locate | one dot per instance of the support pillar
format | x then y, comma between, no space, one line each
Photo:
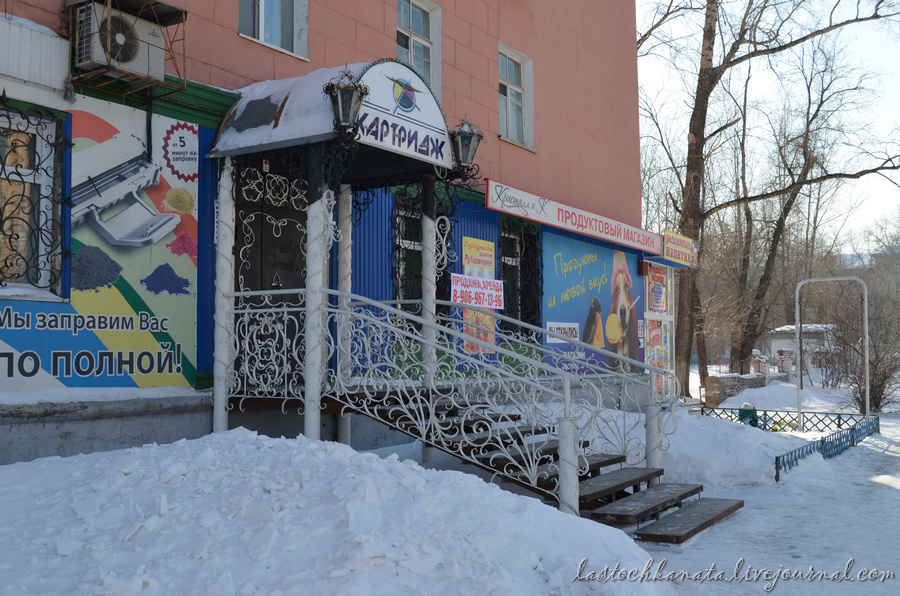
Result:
653,437
568,466
568,455
223,351
345,286
319,216
429,292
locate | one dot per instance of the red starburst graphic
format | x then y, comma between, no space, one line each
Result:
180,151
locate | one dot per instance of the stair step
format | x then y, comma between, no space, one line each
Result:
689,521
400,415
610,483
509,435
446,405
547,449
547,473
595,461
645,504
476,418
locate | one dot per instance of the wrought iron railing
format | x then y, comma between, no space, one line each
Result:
472,382
830,446
849,430
789,420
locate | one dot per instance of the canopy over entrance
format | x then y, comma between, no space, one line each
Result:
399,115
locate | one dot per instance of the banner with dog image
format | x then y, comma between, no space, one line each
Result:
595,295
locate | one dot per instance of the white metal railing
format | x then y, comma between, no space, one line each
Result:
476,385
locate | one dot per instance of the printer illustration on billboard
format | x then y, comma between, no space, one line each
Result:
107,180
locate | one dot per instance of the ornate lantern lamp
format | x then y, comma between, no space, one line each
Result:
346,92
466,137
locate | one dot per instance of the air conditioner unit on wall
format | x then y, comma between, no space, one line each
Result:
108,38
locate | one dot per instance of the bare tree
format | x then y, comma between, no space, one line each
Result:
844,363
732,36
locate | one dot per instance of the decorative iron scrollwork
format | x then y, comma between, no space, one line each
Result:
407,246
31,202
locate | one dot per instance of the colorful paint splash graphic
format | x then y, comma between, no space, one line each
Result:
164,279
93,269
185,244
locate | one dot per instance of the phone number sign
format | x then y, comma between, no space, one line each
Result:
474,291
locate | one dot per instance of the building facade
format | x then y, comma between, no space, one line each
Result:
115,124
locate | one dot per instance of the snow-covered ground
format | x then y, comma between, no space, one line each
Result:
237,513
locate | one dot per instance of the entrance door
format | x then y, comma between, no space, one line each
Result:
270,233
270,256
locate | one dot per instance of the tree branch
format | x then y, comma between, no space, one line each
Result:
797,186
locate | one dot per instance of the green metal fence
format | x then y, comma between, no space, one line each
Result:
849,430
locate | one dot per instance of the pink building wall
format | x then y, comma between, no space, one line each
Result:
586,142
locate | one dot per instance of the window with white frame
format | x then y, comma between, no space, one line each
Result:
510,271
408,253
30,202
408,246
419,40
278,23
520,271
516,80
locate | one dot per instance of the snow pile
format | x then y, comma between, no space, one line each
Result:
239,514
722,453
236,513
783,396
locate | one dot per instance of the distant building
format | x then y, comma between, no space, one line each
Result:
815,339
886,268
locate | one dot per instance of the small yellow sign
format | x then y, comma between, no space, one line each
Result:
478,257
679,249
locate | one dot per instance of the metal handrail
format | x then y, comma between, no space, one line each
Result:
493,382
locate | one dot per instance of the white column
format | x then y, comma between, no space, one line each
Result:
318,226
568,466
345,284
223,351
568,455
429,293
654,438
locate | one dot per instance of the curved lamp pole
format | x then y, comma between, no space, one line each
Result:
865,291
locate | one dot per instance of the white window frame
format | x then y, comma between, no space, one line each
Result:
527,89
44,177
434,12
300,47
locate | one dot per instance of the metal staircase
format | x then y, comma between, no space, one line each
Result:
494,392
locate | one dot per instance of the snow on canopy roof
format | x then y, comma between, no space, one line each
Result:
399,114
280,113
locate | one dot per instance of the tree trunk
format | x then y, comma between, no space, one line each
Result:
752,326
691,219
700,333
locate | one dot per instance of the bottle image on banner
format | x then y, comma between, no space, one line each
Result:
593,326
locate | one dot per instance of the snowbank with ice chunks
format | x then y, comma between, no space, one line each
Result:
236,513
